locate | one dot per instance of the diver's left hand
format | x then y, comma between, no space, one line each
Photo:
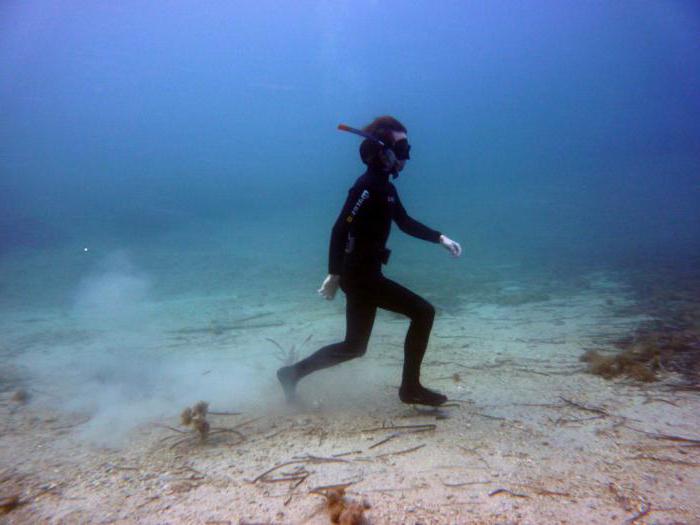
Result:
451,246
329,287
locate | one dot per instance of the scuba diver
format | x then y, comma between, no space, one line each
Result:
357,253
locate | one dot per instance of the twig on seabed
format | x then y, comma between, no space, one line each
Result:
669,437
506,491
413,428
217,430
298,477
527,370
487,416
406,451
595,410
563,421
192,436
385,440
338,486
320,459
465,483
305,459
545,492
648,399
665,460
543,405
341,454
271,470
677,447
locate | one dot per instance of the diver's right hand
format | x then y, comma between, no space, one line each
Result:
329,287
451,246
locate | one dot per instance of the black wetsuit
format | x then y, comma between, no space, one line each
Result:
357,251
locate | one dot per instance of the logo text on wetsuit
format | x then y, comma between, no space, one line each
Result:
356,208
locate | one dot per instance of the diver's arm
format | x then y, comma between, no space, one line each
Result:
336,250
417,229
411,226
339,235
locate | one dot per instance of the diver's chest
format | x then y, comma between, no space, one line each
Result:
383,204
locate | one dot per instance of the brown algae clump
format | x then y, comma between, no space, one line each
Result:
340,509
196,417
627,363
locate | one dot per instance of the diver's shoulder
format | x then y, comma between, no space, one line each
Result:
361,183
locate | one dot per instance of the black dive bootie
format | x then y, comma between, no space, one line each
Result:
419,395
288,379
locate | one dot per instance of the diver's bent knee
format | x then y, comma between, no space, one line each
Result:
425,312
355,350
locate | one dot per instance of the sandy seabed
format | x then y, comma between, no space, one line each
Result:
529,436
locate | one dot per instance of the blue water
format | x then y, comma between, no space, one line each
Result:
549,131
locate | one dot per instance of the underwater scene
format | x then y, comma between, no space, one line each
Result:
356,262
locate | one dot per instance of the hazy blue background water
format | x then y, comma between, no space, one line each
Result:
200,137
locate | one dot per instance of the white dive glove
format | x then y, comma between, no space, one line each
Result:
451,246
329,287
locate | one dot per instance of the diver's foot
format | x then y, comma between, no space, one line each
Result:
419,395
288,380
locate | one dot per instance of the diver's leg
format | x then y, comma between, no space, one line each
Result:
360,312
396,298
359,317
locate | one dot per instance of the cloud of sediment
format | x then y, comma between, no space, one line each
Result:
111,358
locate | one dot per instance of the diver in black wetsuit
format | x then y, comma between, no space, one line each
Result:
357,252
